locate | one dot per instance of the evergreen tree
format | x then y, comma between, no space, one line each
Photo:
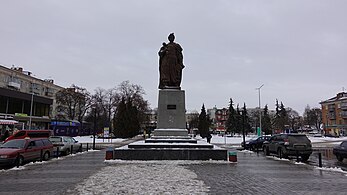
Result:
284,116
281,117
126,122
238,121
245,119
120,120
266,122
277,118
230,124
133,124
203,125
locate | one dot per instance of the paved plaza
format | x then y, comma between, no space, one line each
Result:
87,173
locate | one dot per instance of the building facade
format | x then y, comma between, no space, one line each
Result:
221,119
334,115
28,100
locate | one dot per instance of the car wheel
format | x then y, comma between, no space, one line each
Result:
20,161
251,148
266,151
305,158
46,156
280,153
67,152
339,158
79,149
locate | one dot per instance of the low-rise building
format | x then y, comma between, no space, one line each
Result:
334,115
28,100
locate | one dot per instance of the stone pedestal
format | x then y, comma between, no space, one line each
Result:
171,114
170,141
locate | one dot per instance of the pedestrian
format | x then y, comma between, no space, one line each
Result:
144,134
208,137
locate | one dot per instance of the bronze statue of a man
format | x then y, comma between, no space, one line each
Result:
170,64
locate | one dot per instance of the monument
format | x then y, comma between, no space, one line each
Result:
170,140
171,121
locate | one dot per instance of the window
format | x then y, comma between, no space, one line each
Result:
38,134
38,143
31,144
20,134
46,142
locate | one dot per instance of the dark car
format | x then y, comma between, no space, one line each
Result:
19,151
255,142
340,151
66,144
285,145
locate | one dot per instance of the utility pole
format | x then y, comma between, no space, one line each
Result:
259,130
31,109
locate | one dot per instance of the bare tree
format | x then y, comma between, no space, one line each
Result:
73,102
293,118
313,117
106,101
134,93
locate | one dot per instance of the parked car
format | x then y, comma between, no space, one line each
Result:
258,142
255,142
21,134
25,150
340,151
64,143
246,144
285,145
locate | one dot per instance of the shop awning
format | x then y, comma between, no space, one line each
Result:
8,122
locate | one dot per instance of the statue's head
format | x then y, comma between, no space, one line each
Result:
171,37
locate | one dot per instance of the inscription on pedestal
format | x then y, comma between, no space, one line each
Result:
171,107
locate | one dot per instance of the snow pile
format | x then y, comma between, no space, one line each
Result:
12,169
247,151
142,178
334,169
278,159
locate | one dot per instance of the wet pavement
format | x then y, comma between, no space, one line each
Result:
55,176
252,174
256,174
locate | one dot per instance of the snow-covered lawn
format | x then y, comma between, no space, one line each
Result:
216,139
89,139
152,177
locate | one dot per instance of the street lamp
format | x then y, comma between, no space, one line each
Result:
31,109
259,130
94,108
243,129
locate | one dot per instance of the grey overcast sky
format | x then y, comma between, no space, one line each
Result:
296,48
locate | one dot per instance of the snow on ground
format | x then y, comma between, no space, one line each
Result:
333,169
217,139
152,177
89,139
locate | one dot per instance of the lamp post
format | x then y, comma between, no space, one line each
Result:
243,129
259,130
94,107
31,109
